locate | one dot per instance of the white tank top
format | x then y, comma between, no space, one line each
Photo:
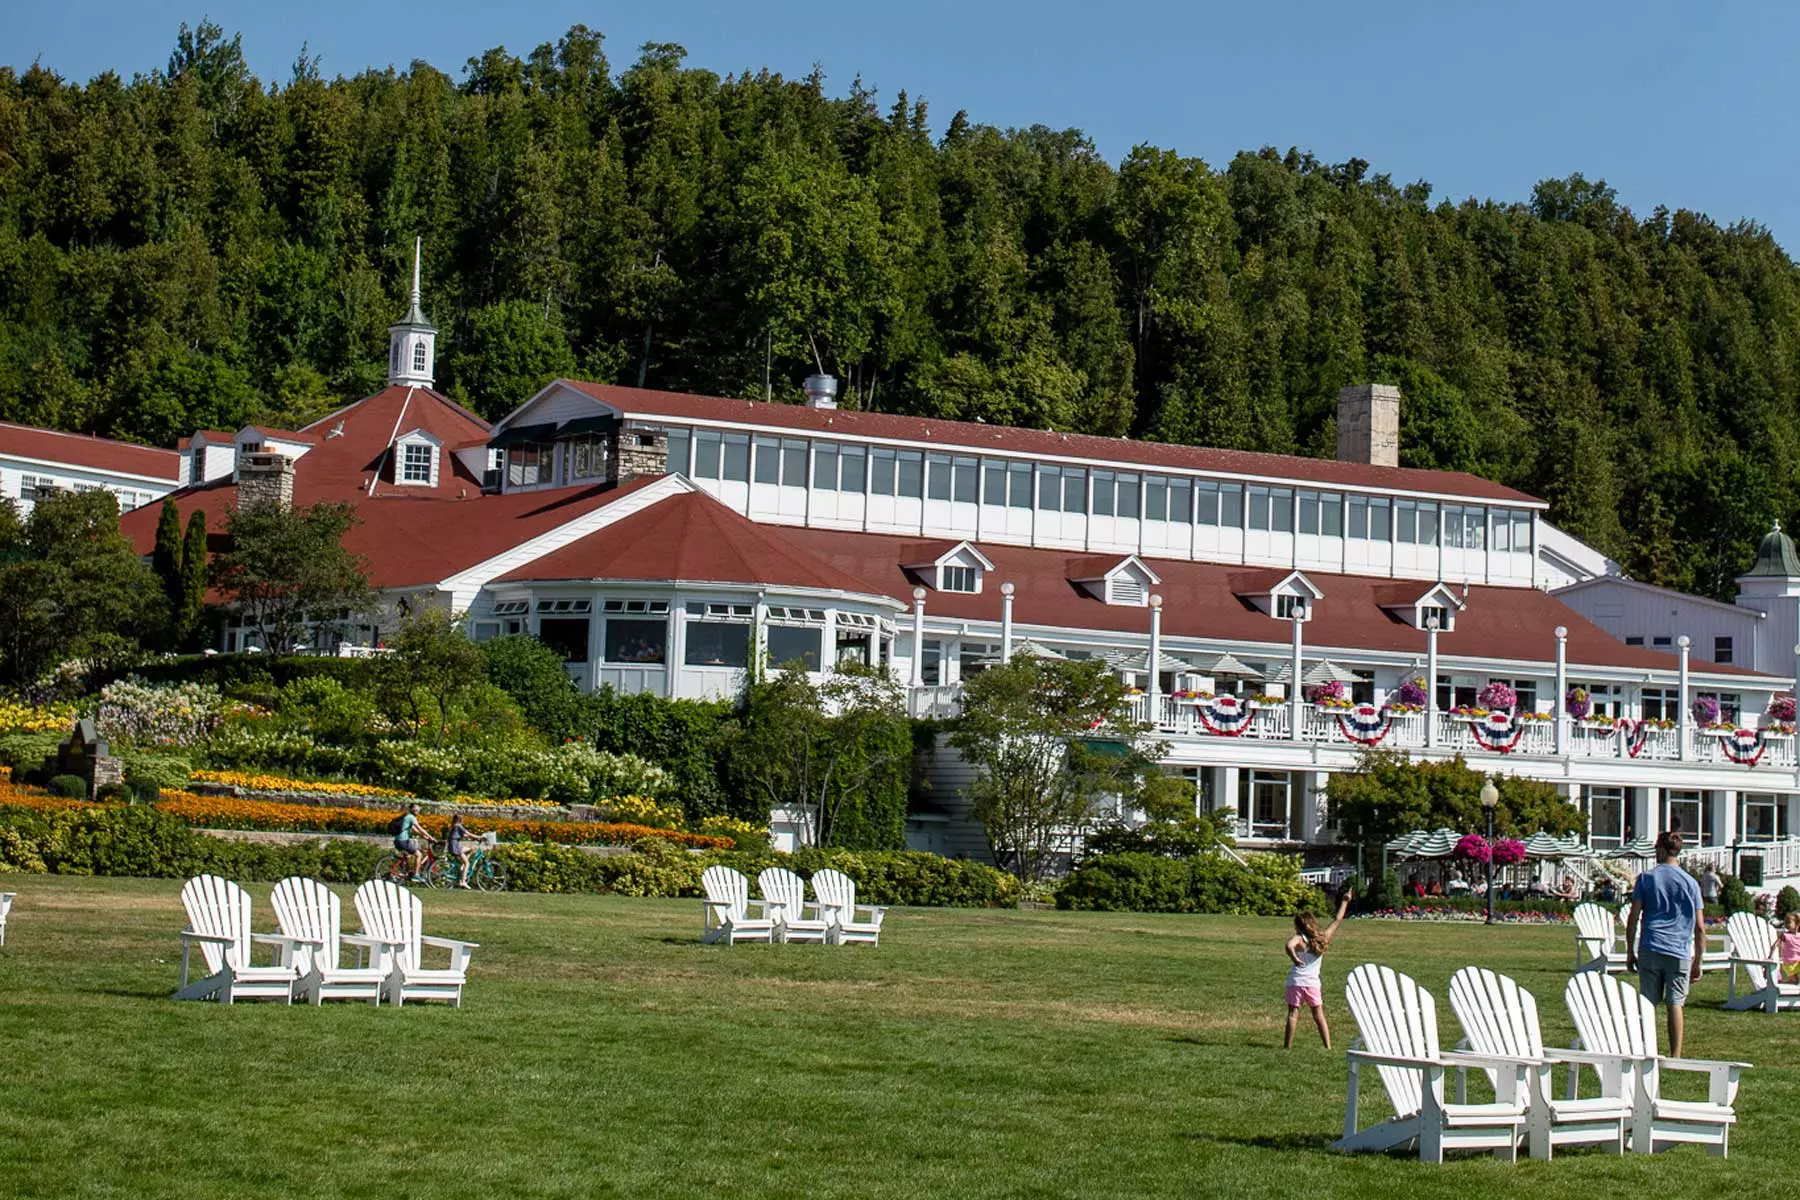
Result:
1305,973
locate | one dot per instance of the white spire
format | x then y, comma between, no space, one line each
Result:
418,249
412,342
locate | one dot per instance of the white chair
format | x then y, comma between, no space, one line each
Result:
1753,954
837,898
6,899
218,921
1599,939
310,913
1397,1021
785,894
1611,1017
725,914
1500,1018
394,918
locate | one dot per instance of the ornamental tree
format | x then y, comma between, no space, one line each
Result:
287,569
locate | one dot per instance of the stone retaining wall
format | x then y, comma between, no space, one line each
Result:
289,838
504,812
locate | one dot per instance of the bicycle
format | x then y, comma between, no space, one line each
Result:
486,873
392,865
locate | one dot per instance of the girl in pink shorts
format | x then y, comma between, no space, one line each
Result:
1305,950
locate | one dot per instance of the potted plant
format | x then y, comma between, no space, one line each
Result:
1706,714
1578,703
1498,697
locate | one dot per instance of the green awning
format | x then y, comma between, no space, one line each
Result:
1106,747
521,434
582,425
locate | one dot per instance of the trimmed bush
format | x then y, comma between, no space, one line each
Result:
72,786
1134,881
1788,901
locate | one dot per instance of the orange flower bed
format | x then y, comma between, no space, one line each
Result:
227,812
14,796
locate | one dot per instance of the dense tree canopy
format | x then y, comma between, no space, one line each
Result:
194,247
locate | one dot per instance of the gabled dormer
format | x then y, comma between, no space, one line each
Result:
1111,580
417,455
948,566
1283,594
1436,606
262,439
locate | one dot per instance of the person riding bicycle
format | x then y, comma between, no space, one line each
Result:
456,847
406,841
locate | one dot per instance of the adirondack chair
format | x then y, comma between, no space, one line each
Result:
218,921
1599,939
394,917
309,913
1500,1018
785,894
1611,1017
1753,954
6,899
725,915
837,896
1397,1021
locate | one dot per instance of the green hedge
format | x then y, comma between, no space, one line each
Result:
231,672
144,842
1133,881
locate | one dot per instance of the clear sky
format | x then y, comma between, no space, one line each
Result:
1671,104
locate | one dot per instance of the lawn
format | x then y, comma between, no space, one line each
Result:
603,1052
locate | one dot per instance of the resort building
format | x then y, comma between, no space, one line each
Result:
1276,615
39,462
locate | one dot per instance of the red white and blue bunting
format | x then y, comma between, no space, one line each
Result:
1635,733
1743,746
1365,724
1497,732
1226,716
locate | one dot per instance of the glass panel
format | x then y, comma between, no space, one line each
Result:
1181,503
768,460
911,467
790,644
793,464
1049,489
1127,490
1231,505
825,467
1281,510
636,641
1018,485
1103,493
881,472
1521,532
1074,490
718,644
678,450
1156,499
1259,508
1331,515
737,458
850,473
993,484
1428,525
937,477
965,481
1309,512
566,635
1209,503
706,456
1380,522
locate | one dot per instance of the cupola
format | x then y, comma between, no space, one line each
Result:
412,342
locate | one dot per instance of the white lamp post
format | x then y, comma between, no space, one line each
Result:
1153,689
1490,798
1431,672
1295,695
918,655
1562,688
1682,717
1006,620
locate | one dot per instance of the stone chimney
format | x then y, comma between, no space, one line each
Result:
643,450
265,478
1368,424
821,391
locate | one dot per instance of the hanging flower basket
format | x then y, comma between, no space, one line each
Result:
1781,709
1498,695
1508,851
1412,693
1474,846
1325,693
1706,711
1578,703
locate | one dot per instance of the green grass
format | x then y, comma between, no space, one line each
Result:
603,1052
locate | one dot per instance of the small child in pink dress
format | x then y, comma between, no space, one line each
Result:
1305,950
1788,943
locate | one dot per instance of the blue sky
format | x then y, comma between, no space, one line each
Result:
1671,104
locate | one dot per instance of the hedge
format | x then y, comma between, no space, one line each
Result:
68,838
1268,885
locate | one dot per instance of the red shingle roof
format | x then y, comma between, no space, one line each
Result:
1044,443
94,453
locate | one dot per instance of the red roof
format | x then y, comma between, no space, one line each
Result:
93,453
282,435
695,539
1045,443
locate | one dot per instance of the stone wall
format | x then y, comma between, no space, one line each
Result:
643,450
266,478
1368,424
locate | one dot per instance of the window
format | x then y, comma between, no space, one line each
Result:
1431,615
636,641
1662,643
486,631
1502,532
678,451
737,458
1170,499
1661,704
1686,815
993,484
1453,526
1455,693
1126,502
966,481
565,606
1526,690
910,470
881,472
419,358
584,458
511,608
957,579
1231,505
706,456
1366,518
1207,507
1309,512
931,664
1729,704
1269,795
1018,485
1288,607
1259,508
825,468
1331,515
1763,817
851,469
1721,650
566,635
793,464
1635,640
768,460
36,487
718,643
636,606
1606,699
1281,510
1050,488
795,644
937,477
527,465
1156,499
1104,483
1606,815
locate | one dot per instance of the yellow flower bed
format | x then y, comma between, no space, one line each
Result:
511,802
256,782
18,717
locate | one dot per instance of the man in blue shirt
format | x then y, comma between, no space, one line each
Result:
1666,902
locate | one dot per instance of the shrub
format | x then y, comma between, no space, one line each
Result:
149,775
1129,881
25,752
132,712
72,786
745,835
1266,885
1788,901
1735,897
1171,839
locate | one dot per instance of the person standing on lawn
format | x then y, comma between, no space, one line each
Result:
1305,950
1666,902
1711,885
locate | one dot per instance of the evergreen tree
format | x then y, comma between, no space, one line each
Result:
165,560
193,580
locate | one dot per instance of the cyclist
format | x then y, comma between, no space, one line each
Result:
405,841
457,848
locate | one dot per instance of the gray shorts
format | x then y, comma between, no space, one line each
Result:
1663,978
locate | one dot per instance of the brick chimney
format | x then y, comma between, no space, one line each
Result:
1368,424
265,478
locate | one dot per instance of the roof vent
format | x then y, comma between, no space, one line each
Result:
821,391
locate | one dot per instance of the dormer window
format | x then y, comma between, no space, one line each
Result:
947,566
1292,607
1126,589
1124,581
957,579
1434,608
1434,616
416,462
1285,595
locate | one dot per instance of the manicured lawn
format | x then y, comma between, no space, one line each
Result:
603,1052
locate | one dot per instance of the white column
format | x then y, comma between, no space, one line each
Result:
918,654
1646,821
1725,817
1683,722
1562,689
1431,673
1153,688
1295,714
1227,793
1006,621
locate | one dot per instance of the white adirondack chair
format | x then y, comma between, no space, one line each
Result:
725,915
1397,1021
1611,1017
6,899
1599,939
837,897
394,917
310,914
1500,1018
1753,954
218,921
785,894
